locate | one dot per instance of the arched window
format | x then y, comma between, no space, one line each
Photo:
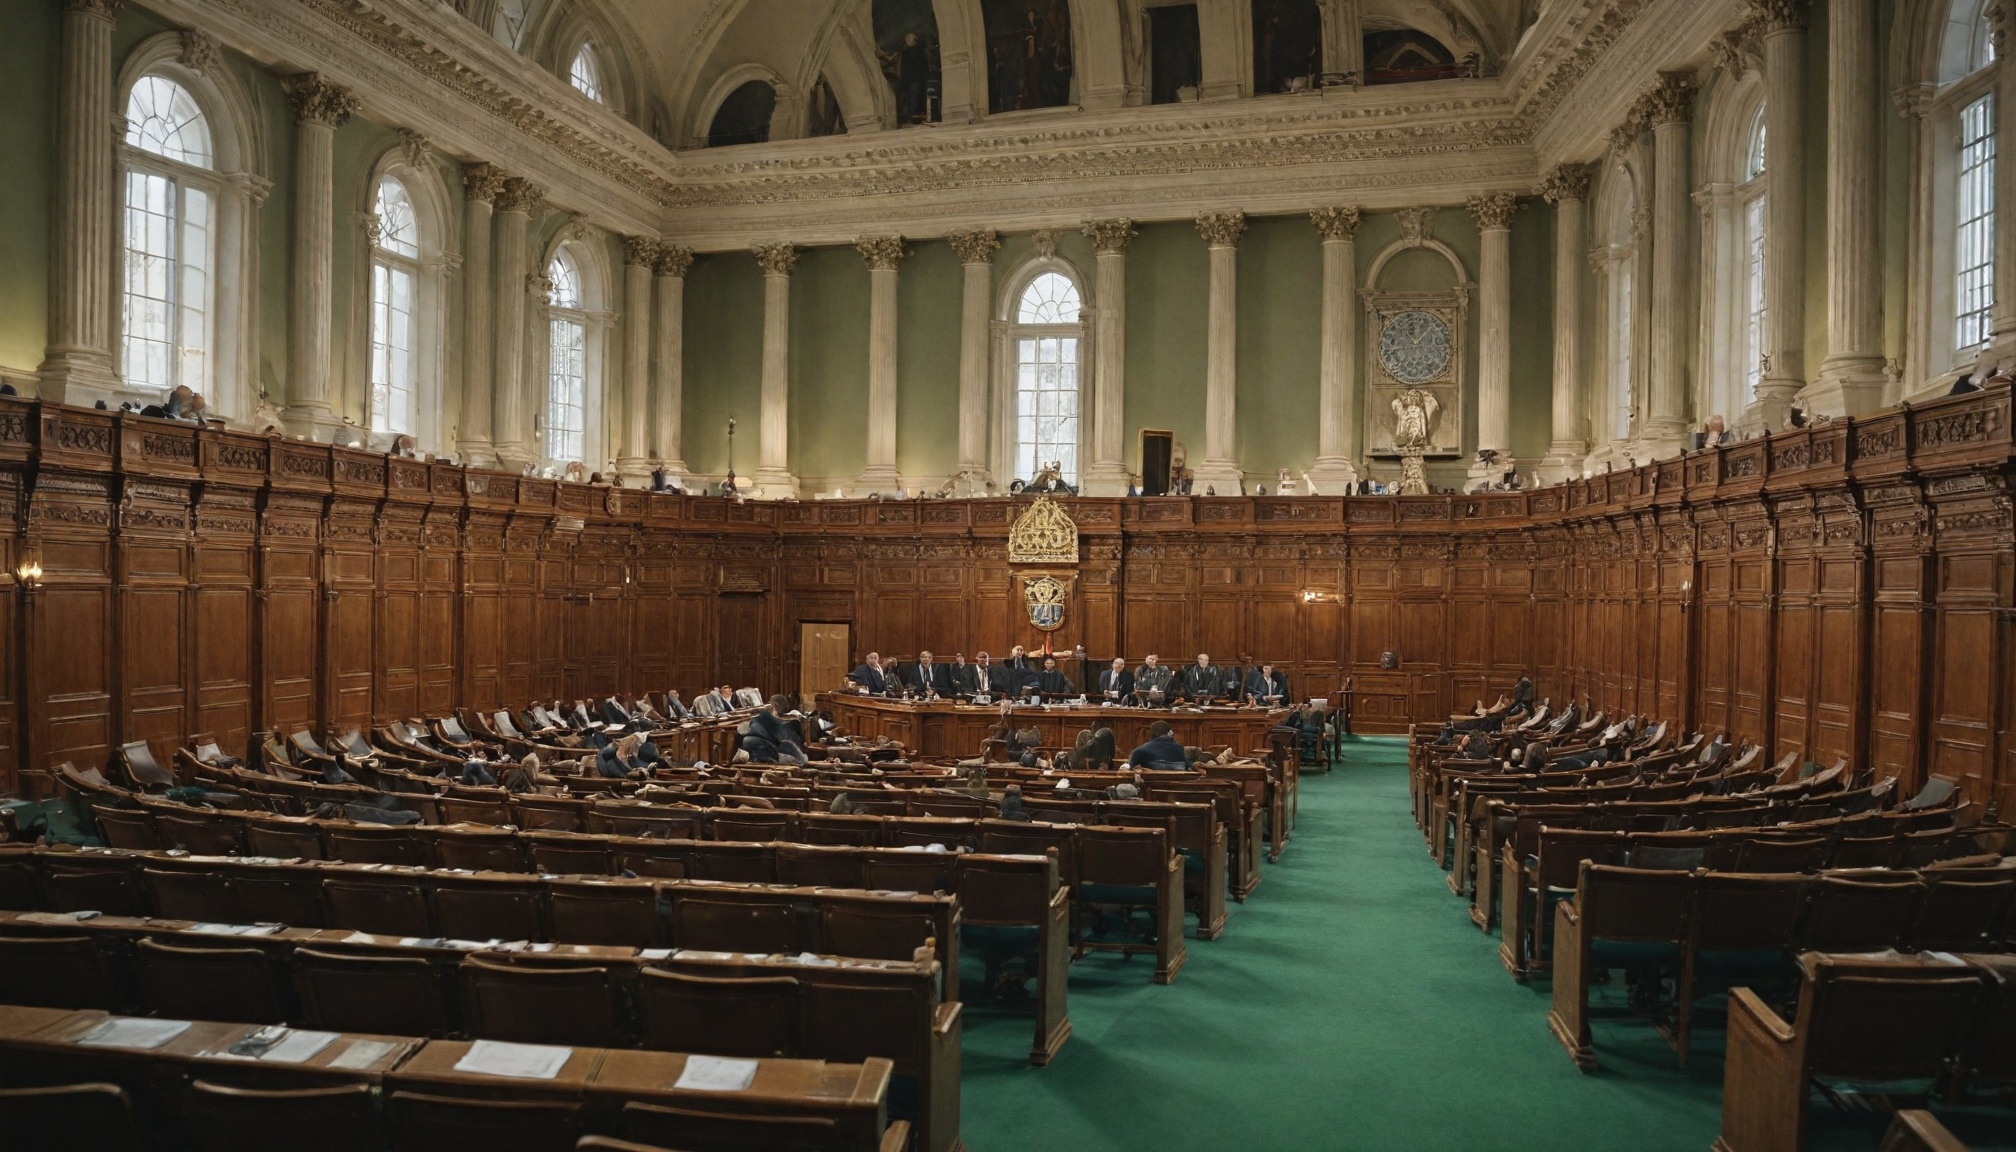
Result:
395,294
170,239
1974,215
744,116
586,73
1951,98
1754,318
1045,337
1623,301
566,424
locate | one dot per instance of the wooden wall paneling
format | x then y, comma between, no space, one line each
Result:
442,580
538,554
1841,598
1902,576
222,622
483,612
14,661
1795,645
350,598
399,628
153,664
1971,526
70,623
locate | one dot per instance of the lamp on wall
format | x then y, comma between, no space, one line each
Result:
1312,596
28,573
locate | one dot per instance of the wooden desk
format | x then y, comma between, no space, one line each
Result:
944,729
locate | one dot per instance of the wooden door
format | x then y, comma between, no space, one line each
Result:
822,659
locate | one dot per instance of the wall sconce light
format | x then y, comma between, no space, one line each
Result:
29,571
1311,596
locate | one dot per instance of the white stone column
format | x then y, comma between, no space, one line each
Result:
1337,367
78,366
480,185
1493,213
1851,377
1781,24
668,358
515,205
774,480
976,263
633,458
319,109
1107,475
882,254
1669,109
1219,470
1567,188
2002,340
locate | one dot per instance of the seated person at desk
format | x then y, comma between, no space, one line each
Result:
771,739
1116,683
1021,663
966,679
1153,681
1265,684
1052,681
999,679
1162,753
675,708
1201,682
869,676
718,702
929,678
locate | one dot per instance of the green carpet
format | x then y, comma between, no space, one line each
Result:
1350,1003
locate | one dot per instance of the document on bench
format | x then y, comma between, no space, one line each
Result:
361,1054
523,1061
298,1047
129,1032
716,1074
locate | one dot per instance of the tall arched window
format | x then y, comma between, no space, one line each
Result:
1623,301
395,294
170,239
566,424
1752,196
1045,337
1974,233
1951,100
585,73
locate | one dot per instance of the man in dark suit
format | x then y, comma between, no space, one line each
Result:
1153,681
675,708
1052,681
965,677
1162,753
1266,685
870,676
998,679
929,678
1201,681
1116,683
1023,665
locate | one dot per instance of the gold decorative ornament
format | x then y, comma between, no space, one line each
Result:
1044,534
1045,597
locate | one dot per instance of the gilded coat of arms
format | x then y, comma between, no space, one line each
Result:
1044,534
1045,596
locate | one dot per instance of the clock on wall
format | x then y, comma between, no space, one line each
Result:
1414,346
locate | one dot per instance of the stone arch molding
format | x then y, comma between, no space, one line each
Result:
1418,234
783,118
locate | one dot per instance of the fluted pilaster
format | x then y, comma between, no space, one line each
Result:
668,357
634,457
975,249
1493,214
320,108
508,432
1219,470
1567,188
1337,368
78,365
882,254
1781,27
1107,475
774,479
480,185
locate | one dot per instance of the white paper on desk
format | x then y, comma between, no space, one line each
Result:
524,1061
716,1074
654,953
361,1054
298,1046
130,1032
360,938
698,954
55,917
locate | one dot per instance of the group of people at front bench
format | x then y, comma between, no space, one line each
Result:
1025,674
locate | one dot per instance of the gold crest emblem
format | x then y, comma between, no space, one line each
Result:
1044,534
1045,596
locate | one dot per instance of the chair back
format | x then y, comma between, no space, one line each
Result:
1634,904
1122,857
477,849
1859,913
1006,890
126,827
179,895
714,924
420,1122
1872,1021
924,831
475,809
827,828
338,1118
733,861
569,854
819,866
379,995
471,908
684,1128
56,972
538,1004
747,1016
1963,912
909,871
284,839
368,844
548,813
235,984
70,1118
379,904
1992,1055
145,772
199,833
871,931
849,1021
753,825
1746,911
106,885
600,912
631,818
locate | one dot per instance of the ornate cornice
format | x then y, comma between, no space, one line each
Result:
1670,101
1736,51
880,253
1110,237
1221,229
102,8
1778,15
1336,223
520,195
1493,211
673,259
199,52
317,101
482,181
640,251
975,246
776,259
1565,182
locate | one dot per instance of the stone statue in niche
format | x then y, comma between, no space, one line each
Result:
1414,412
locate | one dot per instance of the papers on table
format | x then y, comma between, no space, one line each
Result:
298,1046
524,1061
361,1054
235,929
654,953
130,1032
716,1074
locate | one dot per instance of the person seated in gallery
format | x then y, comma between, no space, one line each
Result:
1162,753
998,679
1153,681
719,702
965,678
728,486
1052,681
476,773
1522,698
675,708
1011,804
770,738
1266,684
611,764
929,678
870,677
1201,682
1097,756
1715,431
1116,683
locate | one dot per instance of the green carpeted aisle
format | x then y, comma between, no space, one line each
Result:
1349,1004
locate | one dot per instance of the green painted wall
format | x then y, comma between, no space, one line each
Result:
724,362
1168,310
829,365
1280,339
1532,329
929,292
28,56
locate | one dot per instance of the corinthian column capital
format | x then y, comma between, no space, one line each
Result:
880,253
103,8
481,181
640,251
976,246
317,101
1337,223
1493,211
1778,15
1110,237
673,259
520,195
1670,101
1565,182
776,259
1221,229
